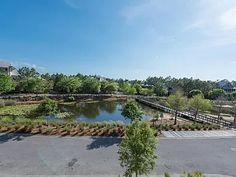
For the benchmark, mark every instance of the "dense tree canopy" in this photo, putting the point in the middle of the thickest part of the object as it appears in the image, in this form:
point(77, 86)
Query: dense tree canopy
point(68, 85)
point(6, 83)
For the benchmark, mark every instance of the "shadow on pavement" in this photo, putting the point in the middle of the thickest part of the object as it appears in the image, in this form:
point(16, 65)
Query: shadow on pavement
point(12, 137)
point(103, 142)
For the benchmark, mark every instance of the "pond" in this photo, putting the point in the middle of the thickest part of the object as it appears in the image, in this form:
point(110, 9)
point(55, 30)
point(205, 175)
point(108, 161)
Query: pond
point(109, 111)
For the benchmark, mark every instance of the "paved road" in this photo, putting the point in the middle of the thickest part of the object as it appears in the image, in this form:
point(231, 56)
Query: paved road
point(41, 155)
point(200, 134)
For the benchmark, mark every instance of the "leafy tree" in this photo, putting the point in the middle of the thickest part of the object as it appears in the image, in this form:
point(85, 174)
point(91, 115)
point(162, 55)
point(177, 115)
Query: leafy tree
point(195, 92)
point(216, 93)
point(26, 72)
point(138, 88)
point(48, 107)
point(160, 89)
point(146, 91)
point(109, 87)
point(198, 103)
point(33, 85)
point(177, 102)
point(91, 85)
point(128, 89)
point(6, 83)
point(68, 85)
point(137, 150)
point(132, 111)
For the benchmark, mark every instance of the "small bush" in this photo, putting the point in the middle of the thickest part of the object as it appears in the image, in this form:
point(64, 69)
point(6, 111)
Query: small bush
point(48, 107)
point(10, 102)
point(2, 103)
point(6, 120)
point(70, 99)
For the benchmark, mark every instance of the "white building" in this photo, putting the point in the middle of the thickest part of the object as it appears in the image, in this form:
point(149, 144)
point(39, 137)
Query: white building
point(8, 69)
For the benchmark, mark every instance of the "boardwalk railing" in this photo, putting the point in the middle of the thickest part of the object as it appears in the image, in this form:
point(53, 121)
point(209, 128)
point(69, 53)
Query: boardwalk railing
point(188, 115)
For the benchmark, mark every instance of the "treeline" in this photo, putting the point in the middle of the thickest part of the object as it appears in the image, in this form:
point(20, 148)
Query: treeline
point(30, 81)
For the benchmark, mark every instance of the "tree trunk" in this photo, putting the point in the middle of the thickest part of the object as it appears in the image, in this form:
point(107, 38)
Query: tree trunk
point(176, 113)
point(136, 174)
point(195, 118)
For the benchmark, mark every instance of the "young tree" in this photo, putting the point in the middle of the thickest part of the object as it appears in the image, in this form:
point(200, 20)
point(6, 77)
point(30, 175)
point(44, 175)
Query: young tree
point(137, 150)
point(177, 102)
point(132, 111)
point(198, 103)
point(6, 83)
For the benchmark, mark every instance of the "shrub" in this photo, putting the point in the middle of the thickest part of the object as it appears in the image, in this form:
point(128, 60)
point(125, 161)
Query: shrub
point(10, 102)
point(48, 107)
point(2, 103)
point(70, 99)
point(6, 120)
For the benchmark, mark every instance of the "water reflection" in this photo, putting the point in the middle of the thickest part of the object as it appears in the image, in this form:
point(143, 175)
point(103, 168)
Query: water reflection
point(101, 111)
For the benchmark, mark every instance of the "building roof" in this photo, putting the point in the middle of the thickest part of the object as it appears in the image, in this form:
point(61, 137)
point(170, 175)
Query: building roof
point(225, 84)
point(4, 64)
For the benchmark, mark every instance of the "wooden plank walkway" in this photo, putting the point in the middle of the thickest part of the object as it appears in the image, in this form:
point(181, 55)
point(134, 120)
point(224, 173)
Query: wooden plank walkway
point(188, 115)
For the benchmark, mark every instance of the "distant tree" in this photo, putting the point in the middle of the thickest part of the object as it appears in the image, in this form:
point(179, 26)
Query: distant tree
point(109, 87)
point(232, 96)
point(177, 102)
point(195, 92)
point(26, 72)
point(6, 83)
point(33, 85)
point(91, 85)
point(138, 88)
point(68, 85)
point(216, 93)
point(146, 91)
point(160, 90)
point(132, 111)
point(137, 151)
point(197, 103)
point(128, 89)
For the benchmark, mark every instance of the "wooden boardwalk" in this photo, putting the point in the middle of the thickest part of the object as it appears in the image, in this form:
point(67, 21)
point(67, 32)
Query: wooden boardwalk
point(201, 118)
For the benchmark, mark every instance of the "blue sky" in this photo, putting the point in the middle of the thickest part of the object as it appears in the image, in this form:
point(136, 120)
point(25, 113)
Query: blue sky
point(130, 39)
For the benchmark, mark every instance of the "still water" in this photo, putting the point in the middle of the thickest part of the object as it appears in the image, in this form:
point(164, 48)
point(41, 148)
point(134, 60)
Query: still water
point(109, 111)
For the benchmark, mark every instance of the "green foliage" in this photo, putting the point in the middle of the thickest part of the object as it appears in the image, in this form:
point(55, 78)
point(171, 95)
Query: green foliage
point(198, 103)
point(193, 174)
point(2, 103)
point(70, 99)
point(132, 111)
point(9, 102)
point(166, 175)
point(128, 89)
point(177, 102)
point(109, 87)
point(195, 92)
point(216, 93)
point(68, 85)
point(91, 85)
point(18, 110)
point(137, 150)
point(160, 89)
point(26, 72)
point(47, 107)
point(33, 85)
point(6, 83)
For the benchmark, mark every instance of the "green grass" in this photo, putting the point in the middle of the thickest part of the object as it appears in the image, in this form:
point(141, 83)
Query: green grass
point(18, 110)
